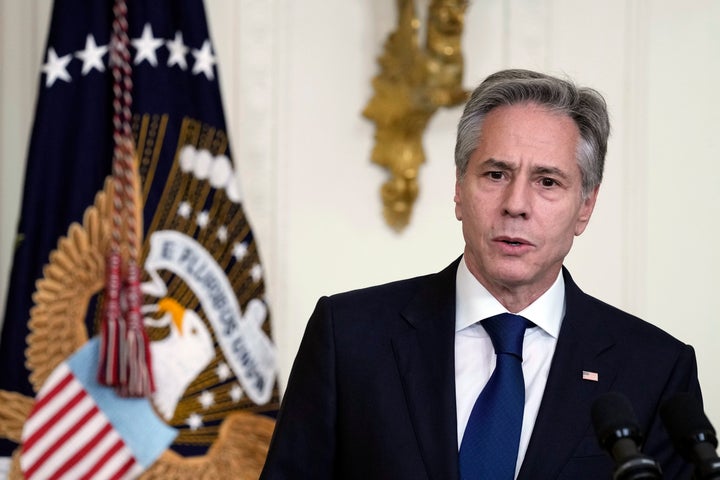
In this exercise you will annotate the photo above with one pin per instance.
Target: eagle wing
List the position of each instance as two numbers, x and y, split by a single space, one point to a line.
74 274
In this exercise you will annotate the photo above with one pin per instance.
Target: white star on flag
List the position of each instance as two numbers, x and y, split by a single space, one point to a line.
202 219
223 372
206 399
236 393
146 46
92 56
194 421
204 60
240 250
178 51
184 209
222 234
256 272
56 67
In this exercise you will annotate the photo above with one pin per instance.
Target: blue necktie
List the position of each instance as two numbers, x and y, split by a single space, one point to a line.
490 444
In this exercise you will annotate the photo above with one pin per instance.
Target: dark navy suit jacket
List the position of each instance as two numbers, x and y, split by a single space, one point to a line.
372 391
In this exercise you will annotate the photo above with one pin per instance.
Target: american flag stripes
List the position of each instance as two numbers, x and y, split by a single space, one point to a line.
78 429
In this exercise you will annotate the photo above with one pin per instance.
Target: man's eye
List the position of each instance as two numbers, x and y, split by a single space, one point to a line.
495 175
548 182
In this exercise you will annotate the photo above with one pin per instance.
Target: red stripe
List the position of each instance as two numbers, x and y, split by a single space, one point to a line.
42 401
101 462
59 442
125 468
40 432
82 452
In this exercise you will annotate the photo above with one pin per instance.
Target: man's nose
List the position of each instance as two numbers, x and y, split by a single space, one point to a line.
517 201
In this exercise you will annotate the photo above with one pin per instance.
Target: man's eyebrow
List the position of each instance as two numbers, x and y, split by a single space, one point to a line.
553 171
497 164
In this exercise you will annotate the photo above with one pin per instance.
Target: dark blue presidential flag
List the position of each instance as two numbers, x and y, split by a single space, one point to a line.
203 305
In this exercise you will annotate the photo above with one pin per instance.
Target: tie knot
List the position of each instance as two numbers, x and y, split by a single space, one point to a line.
507 332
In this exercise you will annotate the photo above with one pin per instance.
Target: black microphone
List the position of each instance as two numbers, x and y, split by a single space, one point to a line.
619 434
692 434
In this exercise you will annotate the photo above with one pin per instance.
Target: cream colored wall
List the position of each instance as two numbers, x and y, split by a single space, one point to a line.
22 38
683 176
296 75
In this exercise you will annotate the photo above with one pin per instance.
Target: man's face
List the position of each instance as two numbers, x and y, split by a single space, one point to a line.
520 199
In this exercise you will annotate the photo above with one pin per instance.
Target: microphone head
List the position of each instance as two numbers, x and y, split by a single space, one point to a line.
686 423
613 419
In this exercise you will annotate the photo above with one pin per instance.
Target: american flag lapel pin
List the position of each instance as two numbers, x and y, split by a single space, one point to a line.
590 376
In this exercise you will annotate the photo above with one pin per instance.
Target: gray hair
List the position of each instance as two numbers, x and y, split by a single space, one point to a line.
584 105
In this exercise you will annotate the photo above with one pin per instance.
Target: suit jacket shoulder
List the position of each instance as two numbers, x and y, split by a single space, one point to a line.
601 348
371 393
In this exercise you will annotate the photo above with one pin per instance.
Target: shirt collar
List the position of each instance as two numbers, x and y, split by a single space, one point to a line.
473 303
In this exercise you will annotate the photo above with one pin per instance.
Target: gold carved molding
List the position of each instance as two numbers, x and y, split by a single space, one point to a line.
412 84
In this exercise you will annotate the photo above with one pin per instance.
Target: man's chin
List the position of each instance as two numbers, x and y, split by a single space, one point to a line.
514 278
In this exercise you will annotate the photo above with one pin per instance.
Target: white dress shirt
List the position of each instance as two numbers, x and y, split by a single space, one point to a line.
475 355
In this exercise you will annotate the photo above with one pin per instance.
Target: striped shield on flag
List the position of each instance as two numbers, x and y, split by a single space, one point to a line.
80 429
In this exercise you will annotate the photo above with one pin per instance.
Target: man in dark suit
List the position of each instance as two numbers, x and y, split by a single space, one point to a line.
386 379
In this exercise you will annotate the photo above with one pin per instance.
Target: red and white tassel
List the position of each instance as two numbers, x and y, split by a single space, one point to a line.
135 361
108 373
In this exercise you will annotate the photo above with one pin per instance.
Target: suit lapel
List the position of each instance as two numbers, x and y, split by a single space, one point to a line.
564 416
424 352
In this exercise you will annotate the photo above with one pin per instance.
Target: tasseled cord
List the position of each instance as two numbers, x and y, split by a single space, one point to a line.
125 361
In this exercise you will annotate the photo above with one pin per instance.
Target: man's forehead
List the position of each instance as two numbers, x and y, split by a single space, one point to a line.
528 133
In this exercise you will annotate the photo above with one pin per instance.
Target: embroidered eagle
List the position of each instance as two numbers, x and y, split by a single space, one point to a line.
185 347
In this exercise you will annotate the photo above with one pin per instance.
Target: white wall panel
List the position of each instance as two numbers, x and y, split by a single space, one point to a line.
23 28
683 175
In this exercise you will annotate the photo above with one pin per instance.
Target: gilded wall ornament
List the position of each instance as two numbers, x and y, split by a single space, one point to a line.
413 83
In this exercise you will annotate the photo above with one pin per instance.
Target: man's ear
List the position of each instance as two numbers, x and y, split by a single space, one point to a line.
586 210
456 197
